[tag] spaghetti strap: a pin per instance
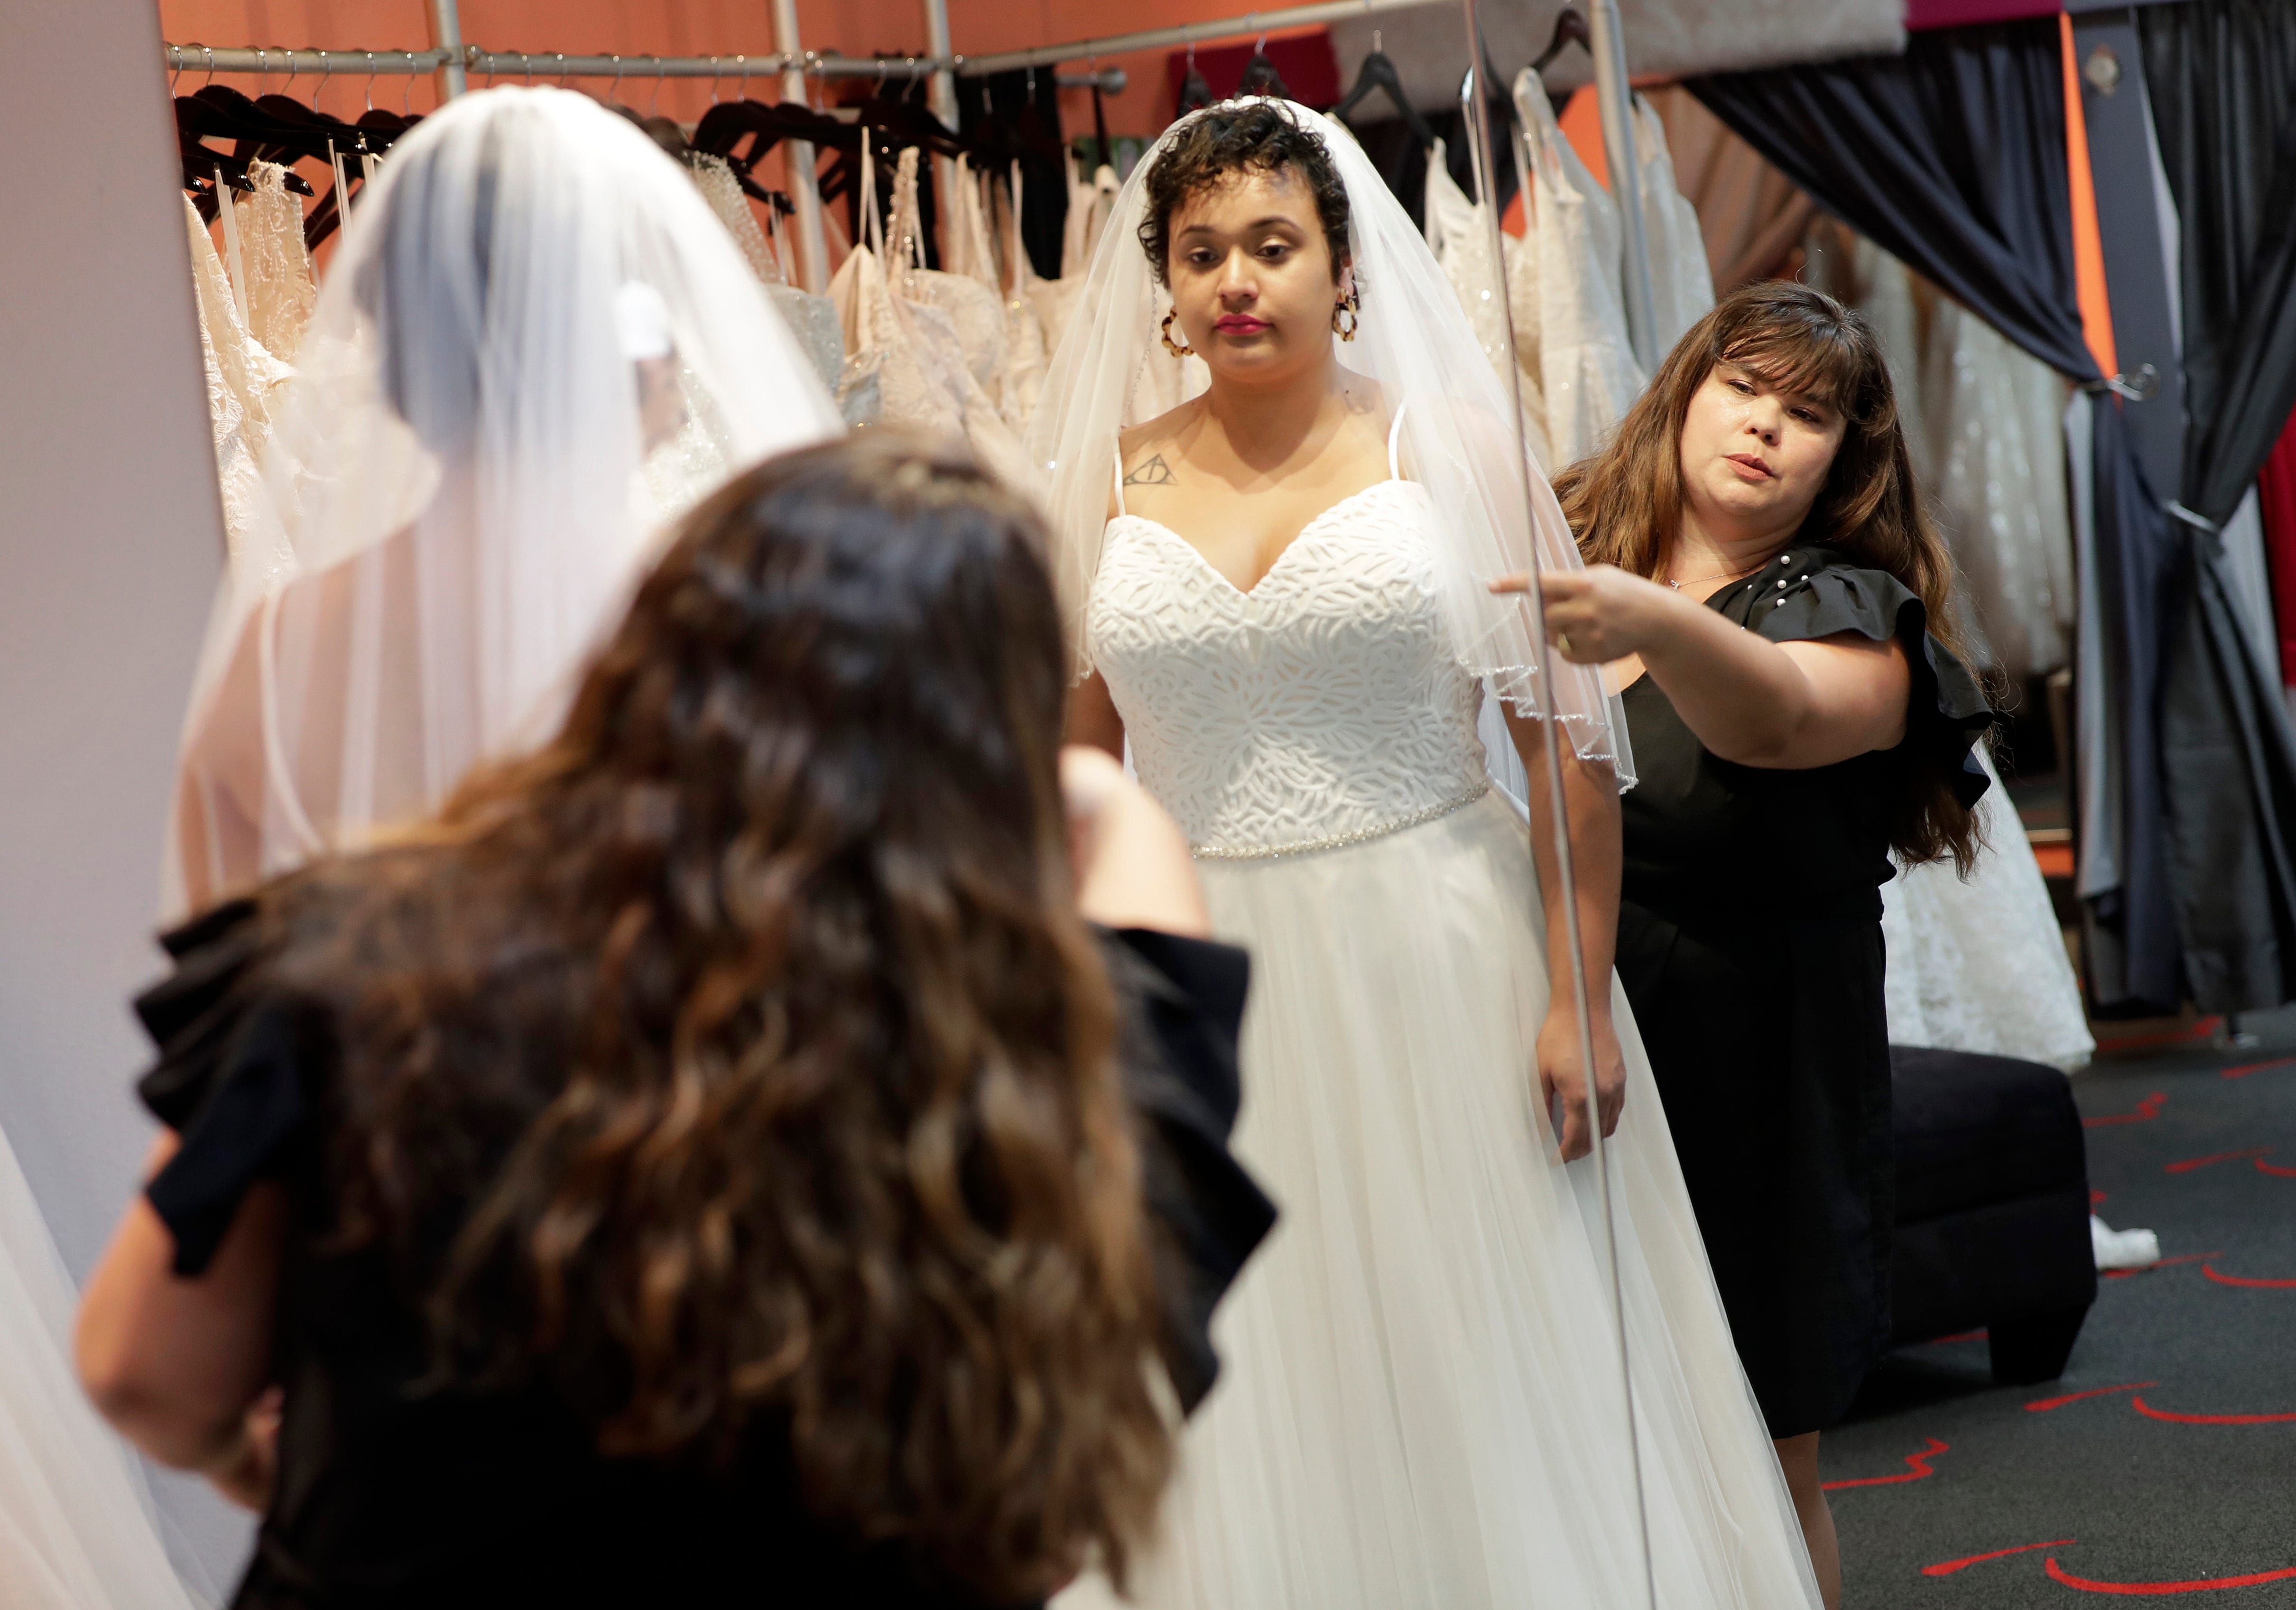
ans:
(1117, 453)
(1394, 436)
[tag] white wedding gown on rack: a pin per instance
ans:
(1981, 964)
(1420, 1408)
(76, 1526)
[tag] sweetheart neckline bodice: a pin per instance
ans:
(1321, 706)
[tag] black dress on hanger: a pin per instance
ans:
(1749, 944)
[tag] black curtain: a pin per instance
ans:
(1007, 97)
(1952, 157)
(2221, 78)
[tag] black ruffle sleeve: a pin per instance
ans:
(234, 1077)
(1183, 1002)
(1807, 593)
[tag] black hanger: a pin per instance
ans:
(1195, 89)
(1107, 158)
(1379, 73)
(1259, 75)
(1570, 28)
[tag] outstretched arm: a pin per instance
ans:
(1784, 706)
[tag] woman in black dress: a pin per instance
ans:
(1766, 590)
(716, 1162)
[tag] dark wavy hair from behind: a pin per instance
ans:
(1257, 136)
(1625, 503)
(738, 1066)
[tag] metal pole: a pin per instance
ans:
(1475, 102)
(1616, 97)
(941, 96)
(446, 35)
(804, 178)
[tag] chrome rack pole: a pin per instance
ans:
(804, 174)
(1615, 96)
(942, 98)
(1475, 103)
(1242, 26)
(446, 36)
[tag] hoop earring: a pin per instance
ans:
(1345, 319)
(1180, 349)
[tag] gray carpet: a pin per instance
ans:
(2129, 1504)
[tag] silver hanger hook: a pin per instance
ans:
(653, 104)
(370, 80)
(210, 78)
(283, 88)
(561, 69)
(615, 89)
(407, 92)
(741, 90)
(262, 67)
(716, 73)
(490, 71)
(175, 55)
(527, 63)
(326, 72)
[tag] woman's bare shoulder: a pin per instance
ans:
(1158, 435)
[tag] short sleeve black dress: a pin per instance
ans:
(1750, 942)
(388, 1497)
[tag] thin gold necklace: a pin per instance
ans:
(1725, 576)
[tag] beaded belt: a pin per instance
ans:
(1340, 841)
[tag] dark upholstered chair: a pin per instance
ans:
(1992, 1209)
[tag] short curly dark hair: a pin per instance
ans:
(1239, 139)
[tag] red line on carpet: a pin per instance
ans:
(2097, 1199)
(2151, 1413)
(2199, 1585)
(2204, 1027)
(2190, 1163)
(2041, 1406)
(2123, 1274)
(2209, 1269)
(2274, 1169)
(2258, 1067)
(1960, 1335)
(1917, 1466)
(1947, 1567)
(2147, 1110)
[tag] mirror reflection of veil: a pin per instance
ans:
(536, 348)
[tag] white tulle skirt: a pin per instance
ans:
(76, 1528)
(1420, 1407)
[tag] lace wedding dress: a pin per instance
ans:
(1458, 233)
(1419, 1408)
(1591, 378)
(1981, 964)
(243, 378)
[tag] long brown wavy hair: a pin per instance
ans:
(1625, 503)
(738, 1066)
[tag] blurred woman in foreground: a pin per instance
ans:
(716, 1161)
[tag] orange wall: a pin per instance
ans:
(685, 27)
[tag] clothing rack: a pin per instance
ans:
(453, 61)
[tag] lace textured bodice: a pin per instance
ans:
(1324, 707)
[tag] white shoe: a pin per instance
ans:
(2122, 1249)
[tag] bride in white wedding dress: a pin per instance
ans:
(1278, 598)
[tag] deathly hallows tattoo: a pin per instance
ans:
(1155, 473)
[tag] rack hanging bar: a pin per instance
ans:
(549, 66)
(552, 65)
(1250, 23)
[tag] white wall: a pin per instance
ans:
(111, 542)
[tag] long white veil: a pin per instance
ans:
(535, 347)
(1112, 373)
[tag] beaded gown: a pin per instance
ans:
(1420, 1407)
